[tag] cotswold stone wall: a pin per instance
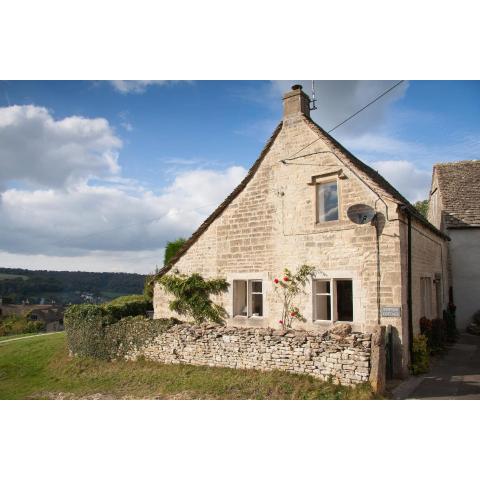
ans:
(271, 225)
(344, 357)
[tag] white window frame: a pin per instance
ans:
(333, 299)
(316, 294)
(326, 181)
(250, 293)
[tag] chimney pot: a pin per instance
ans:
(296, 102)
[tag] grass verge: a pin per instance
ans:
(41, 368)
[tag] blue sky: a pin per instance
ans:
(99, 160)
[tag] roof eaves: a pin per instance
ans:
(219, 210)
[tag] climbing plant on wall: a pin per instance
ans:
(192, 296)
(288, 287)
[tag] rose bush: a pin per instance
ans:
(288, 289)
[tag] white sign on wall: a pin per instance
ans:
(391, 311)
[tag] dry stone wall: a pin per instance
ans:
(343, 356)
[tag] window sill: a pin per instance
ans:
(331, 322)
(331, 223)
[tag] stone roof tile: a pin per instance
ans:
(459, 187)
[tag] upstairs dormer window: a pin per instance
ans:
(327, 201)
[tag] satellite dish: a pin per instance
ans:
(361, 213)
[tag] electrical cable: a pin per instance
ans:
(347, 119)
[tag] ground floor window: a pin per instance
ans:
(248, 298)
(333, 300)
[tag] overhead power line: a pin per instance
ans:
(366, 106)
(346, 120)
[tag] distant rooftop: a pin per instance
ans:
(459, 185)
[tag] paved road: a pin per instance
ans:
(455, 376)
(28, 336)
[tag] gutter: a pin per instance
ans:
(409, 280)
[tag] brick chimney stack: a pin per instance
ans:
(296, 102)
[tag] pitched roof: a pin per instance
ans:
(396, 196)
(459, 187)
(370, 172)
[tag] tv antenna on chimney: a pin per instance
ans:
(313, 105)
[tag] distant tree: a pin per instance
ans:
(422, 207)
(172, 248)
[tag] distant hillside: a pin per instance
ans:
(17, 284)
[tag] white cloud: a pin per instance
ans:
(115, 221)
(37, 149)
(63, 196)
(412, 182)
(374, 134)
(135, 86)
(95, 261)
(337, 100)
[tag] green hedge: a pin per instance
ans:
(85, 328)
(93, 331)
(127, 306)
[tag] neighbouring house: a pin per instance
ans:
(454, 208)
(308, 200)
(50, 315)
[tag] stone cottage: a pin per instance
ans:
(308, 200)
(454, 208)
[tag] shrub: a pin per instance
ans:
(421, 359)
(16, 324)
(436, 333)
(93, 332)
(129, 305)
(172, 249)
(84, 326)
(34, 326)
(192, 296)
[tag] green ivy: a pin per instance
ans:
(192, 296)
(129, 305)
(96, 331)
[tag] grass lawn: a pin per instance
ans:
(41, 368)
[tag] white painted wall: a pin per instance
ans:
(465, 258)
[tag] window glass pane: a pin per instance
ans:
(257, 305)
(322, 286)
(240, 297)
(327, 202)
(256, 286)
(344, 300)
(323, 309)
